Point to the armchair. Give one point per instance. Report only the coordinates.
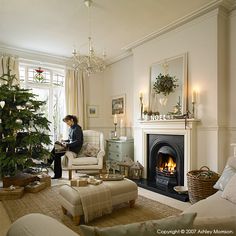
(87, 164)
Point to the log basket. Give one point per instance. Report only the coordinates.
(200, 183)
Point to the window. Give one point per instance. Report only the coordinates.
(51, 90)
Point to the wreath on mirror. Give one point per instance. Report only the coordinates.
(165, 84)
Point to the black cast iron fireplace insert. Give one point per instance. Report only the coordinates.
(165, 164)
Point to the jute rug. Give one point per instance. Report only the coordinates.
(47, 202)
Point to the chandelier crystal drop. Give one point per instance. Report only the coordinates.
(91, 63)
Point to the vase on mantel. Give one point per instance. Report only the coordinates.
(163, 101)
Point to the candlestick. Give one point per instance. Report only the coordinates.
(194, 95)
(141, 105)
(115, 119)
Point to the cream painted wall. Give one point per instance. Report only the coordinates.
(116, 80)
(232, 80)
(199, 39)
(205, 40)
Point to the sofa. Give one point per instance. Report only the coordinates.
(215, 215)
(219, 209)
(90, 157)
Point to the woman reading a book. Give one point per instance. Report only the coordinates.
(73, 143)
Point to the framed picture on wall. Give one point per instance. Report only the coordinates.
(92, 111)
(118, 105)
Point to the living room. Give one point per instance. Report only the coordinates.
(203, 31)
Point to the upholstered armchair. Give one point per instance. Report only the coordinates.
(90, 158)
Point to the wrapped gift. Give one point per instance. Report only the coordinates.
(35, 187)
(44, 178)
(13, 192)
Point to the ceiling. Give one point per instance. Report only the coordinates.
(57, 26)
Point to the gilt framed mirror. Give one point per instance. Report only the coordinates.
(169, 86)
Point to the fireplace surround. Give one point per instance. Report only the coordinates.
(163, 139)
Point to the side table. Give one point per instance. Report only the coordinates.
(117, 149)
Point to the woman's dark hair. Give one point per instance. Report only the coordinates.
(70, 117)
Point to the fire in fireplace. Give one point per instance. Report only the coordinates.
(166, 177)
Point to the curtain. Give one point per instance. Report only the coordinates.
(13, 64)
(75, 96)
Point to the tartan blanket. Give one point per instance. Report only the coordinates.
(95, 200)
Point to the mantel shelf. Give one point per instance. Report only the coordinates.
(169, 124)
(166, 121)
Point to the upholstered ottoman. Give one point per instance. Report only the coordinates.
(121, 191)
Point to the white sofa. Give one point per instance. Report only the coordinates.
(81, 162)
(219, 209)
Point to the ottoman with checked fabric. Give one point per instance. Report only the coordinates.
(121, 191)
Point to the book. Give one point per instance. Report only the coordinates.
(59, 147)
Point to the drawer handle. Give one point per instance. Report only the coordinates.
(117, 146)
(117, 155)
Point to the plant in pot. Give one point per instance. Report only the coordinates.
(165, 84)
(23, 128)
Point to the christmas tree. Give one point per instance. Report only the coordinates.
(23, 130)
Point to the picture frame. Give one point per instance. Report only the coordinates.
(118, 105)
(92, 111)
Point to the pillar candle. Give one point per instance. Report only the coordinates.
(194, 96)
(121, 123)
(141, 95)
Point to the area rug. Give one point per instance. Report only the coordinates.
(47, 202)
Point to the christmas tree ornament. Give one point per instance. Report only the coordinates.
(19, 121)
(28, 104)
(2, 104)
(19, 107)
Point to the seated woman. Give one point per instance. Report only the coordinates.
(73, 143)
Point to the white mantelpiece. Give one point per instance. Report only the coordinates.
(171, 127)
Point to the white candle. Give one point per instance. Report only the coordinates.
(121, 123)
(115, 119)
(140, 95)
(194, 96)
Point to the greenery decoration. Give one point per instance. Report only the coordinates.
(165, 84)
(23, 129)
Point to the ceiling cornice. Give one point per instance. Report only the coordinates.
(228, 4)
(34, 55)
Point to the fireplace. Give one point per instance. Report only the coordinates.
(165, 160)
(163, 140)
(165, 164)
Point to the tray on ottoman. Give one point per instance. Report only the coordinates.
(110, 177)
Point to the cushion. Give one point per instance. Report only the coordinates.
(232, 162)
(36, 224)
(145, 228)
(90, 150)
(227, 174)
(85, 161)
(216, 223)
(229, 192)
(82, 150)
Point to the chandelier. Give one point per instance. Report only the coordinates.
(90, 63)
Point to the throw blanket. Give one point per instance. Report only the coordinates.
(96, 201)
